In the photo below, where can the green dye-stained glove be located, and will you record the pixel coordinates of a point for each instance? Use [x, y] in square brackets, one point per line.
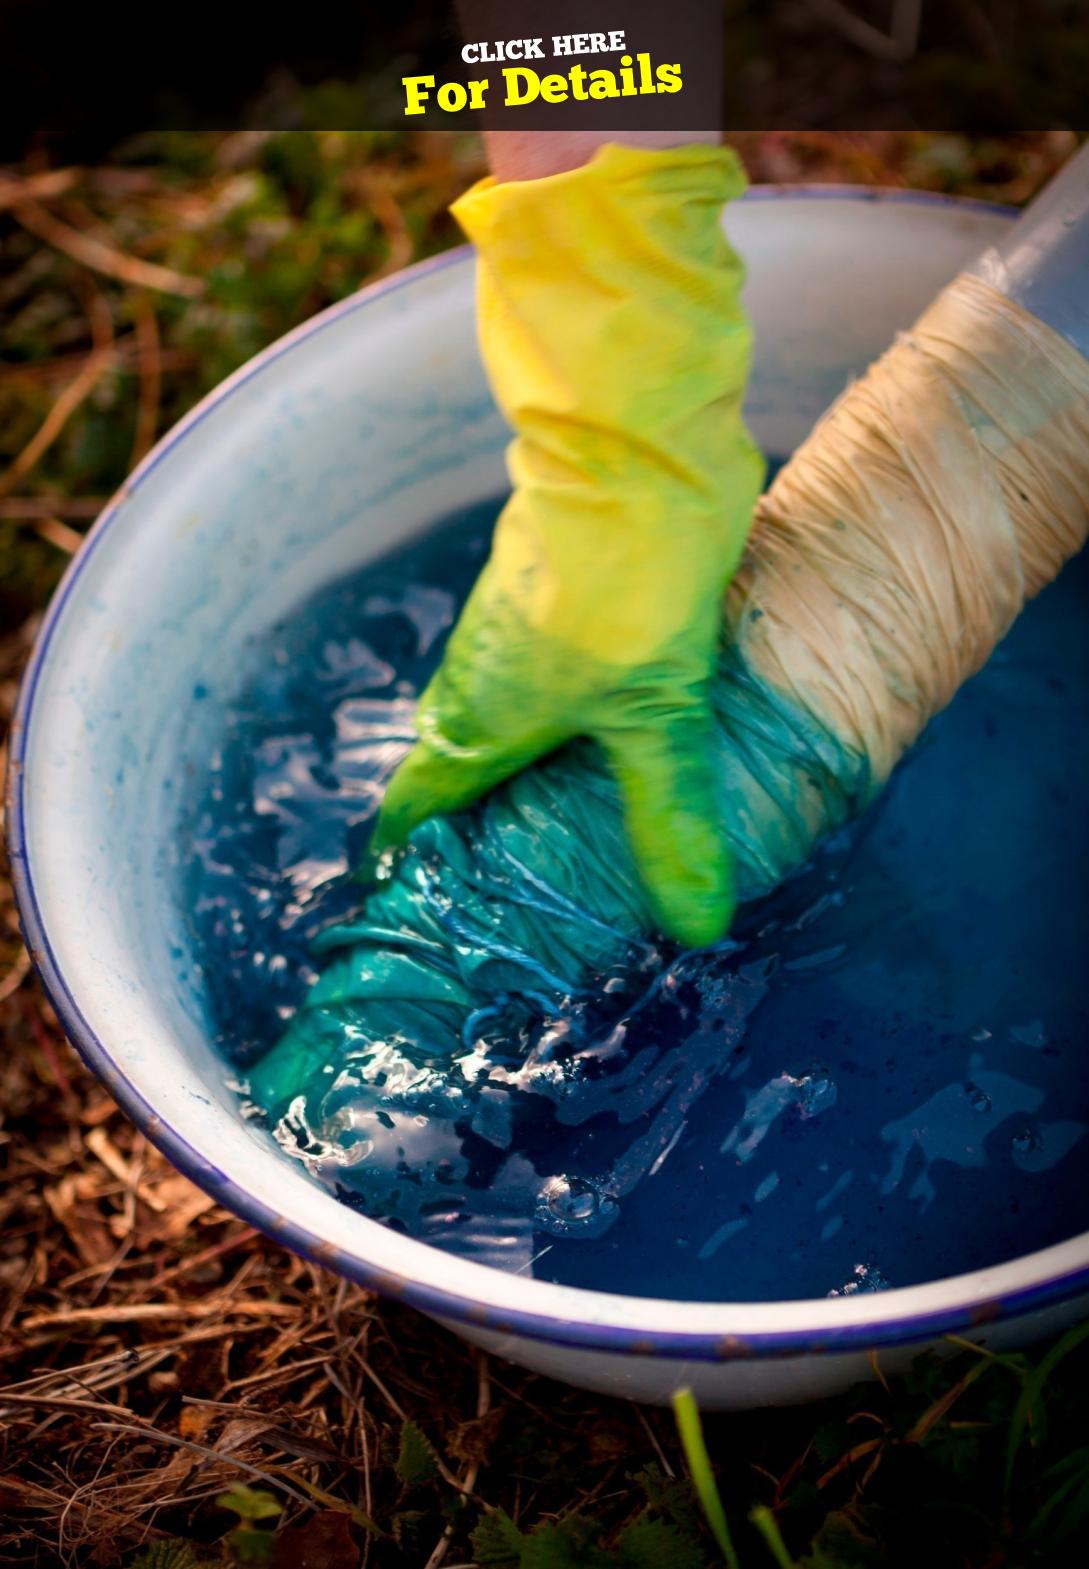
[612, 330]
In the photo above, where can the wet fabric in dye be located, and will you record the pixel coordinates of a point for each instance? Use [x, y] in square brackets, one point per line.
[876, 1081]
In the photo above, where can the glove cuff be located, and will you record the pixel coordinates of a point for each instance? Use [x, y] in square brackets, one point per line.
[710, 174]
[610, 321]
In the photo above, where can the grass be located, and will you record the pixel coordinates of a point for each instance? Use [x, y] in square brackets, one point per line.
[701, 1473]
[177, 1391]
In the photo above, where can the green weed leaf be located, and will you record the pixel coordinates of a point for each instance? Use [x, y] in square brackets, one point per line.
[416, 1461]
[655, 1544]
[168, 1555]
[250, 1503]
[1065, 1511]
[251, 1545]
[1030, 1413]
[570, 1544]
[670, 1497]
[497, 1541]
[249, 1542]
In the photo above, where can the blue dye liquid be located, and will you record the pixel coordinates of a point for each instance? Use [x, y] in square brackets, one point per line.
[885, 1081]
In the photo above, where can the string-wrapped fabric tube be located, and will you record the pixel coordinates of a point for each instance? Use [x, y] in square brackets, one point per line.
[943, 489]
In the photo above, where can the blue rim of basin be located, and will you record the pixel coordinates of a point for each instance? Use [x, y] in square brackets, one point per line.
[877, 1331]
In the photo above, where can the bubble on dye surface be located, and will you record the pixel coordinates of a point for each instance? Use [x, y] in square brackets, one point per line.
[865, 1277]
[978, 1099]
[1025, 1140]
[1052, 1143]
[575, 1206]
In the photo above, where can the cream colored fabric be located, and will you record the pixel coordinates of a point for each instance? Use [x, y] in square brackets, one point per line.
[944, 488]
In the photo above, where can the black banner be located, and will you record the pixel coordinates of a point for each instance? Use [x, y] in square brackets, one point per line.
[87, 74]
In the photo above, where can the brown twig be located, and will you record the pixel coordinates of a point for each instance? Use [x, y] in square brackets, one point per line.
[390, 215]
[10, 983]
[67, 1403]
[270, 1477]
[100, 321]
[32, 508]
[218, 1250]
[896, 46]
[848, 1459]
[36, 187]
[55, 421]
[663, 1459]
[58, 534]
[944, 1405]
[126, 350]
[142, 1312]
[100, 257]
[151, 379]
[467, 1482]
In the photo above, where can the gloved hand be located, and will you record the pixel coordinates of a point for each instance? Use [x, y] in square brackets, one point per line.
[610, 323]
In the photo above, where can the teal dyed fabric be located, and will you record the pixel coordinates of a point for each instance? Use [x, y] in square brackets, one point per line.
[495, 917]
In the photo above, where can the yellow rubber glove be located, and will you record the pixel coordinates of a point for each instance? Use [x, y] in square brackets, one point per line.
[612, 331]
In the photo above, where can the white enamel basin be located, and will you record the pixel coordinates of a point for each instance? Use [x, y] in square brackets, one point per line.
[342, 439]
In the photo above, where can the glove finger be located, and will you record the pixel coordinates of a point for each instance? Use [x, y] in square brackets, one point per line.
[431, 783]
[666, 779]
